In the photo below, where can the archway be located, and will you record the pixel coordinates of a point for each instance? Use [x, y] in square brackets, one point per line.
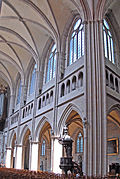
[13, 151]
[75, 130]
[113, 138]
[44, 160]
[26, 150]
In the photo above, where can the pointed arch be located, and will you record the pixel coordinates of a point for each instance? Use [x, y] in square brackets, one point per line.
[39, 127]
[13, 133]
[71, 107]
[23, 132]
[114, 110]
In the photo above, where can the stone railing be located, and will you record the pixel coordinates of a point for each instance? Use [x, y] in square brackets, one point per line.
[14, 118]
[71, 83]
[113, 80]
[27, 110]
[45, 98]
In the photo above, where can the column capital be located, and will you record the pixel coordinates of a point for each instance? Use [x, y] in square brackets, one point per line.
[35, 142]
[19, 145]
[85, 123]
[55, 137]
[8, 148]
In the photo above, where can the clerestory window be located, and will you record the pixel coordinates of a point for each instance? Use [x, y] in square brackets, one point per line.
[51, 64]
[19, 92]
[32, 82]
[76, 46]
[108, 42]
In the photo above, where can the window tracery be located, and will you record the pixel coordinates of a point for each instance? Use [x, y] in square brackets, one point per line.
[43, 148]
[19, 92]
[79, 143]
[51, 64]
[108, 42]
[32, 81]
[76, 46]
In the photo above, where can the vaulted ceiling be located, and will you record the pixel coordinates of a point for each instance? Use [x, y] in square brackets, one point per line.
[25, 28]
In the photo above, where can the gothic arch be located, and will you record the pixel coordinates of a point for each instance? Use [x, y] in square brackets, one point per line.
[39, 127]
[71, 107]
[116, 109]
[23, 132]
[13, 133]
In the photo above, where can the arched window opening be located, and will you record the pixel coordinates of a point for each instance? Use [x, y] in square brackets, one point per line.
[43, 101]
[68, 86]
[80, 79]
[74, 83]
[47, 98]
[51, 64]
[111, 81]
[23, 113]
[39, 105]
[51, 96]
[116, 85]
[28, 109]
[79, 143]
[108, 42]
[43, 148]
[63, 90]
[19, 92]
[76, 46]
[31, 108]
[32, 82]
[107, 80]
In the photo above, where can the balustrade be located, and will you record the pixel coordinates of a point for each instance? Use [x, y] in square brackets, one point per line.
[113, 80]
[71, 83]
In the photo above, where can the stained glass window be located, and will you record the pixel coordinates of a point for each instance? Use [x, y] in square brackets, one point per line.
[76, 48]
[19, 92]
[32, 82]
[43, 148]
[79, 143]
[108, 42]
[51, 64]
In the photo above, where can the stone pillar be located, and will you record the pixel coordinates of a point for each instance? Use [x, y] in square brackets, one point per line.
[8, 157]
[56, 154]
[85, 126]
[34, 155]
[19, 157]
[95, 98]
[30, 151]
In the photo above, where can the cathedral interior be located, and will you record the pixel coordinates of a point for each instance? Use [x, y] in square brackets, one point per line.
[60, 66]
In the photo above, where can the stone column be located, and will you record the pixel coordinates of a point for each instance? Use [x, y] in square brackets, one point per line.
[30, 151]
[85, 126]
[56, 154]
[19, 156]
[8, 157]
[34, 155]
[56, 95]
[95, 98]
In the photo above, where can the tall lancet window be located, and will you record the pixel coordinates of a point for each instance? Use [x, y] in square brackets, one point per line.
[79, 143]
[76, 46]
[19, 92]
[51, 64]
[33, 78]
[43, 148]
[108, 42]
